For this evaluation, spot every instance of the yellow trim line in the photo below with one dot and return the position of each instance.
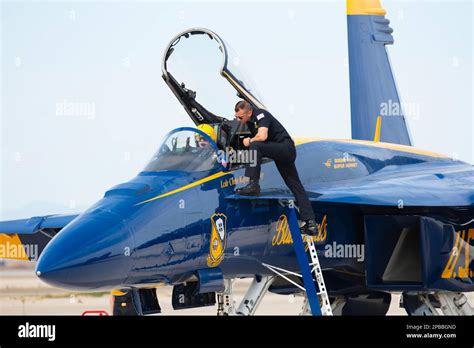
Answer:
(364, 7)
(378, 127)
(300, 141)
(193, 184)
(395, 147)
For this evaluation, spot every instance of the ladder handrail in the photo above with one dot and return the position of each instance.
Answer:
(306, 271)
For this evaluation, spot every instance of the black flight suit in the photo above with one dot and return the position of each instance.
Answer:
(279, 147)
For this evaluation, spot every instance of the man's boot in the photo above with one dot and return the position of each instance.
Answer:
(309, 227)
(252, 189)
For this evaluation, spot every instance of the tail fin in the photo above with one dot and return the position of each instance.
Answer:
(373, 88)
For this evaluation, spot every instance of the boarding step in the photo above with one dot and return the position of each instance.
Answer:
(310, 268)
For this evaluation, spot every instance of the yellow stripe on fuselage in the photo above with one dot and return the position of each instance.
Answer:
(395, 147)
(364, 7)
(300, 141)
(182, 188)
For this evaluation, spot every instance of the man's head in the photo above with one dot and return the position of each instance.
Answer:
(201, 141)
(243, 111)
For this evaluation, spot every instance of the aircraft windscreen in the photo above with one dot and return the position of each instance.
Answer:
(184, 150)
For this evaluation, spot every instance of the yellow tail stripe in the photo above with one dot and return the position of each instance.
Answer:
(365, 7)
(378, 127)
(182, 188)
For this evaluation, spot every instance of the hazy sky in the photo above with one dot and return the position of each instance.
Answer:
(104, 58)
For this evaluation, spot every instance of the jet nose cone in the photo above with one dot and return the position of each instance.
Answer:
(91, 253)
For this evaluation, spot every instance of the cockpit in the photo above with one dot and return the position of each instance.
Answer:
(185, 149)
(206, 77)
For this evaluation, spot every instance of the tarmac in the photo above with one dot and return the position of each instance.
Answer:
(22, 293)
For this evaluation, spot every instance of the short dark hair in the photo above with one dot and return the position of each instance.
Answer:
(243, 105)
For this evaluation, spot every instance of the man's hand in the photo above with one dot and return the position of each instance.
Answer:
(247, 142)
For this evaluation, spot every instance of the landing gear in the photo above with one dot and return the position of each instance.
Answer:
(436, 303)
(254, 295)
(225, 300)
(455, 304)
(251, 300)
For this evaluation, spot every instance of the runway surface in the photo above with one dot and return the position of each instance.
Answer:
(21, 292)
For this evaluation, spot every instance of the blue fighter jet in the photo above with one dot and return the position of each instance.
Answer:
(391, 218)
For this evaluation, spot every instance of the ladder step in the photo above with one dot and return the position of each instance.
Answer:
(310, 270)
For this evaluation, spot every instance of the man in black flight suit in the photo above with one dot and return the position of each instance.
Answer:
(270, 139)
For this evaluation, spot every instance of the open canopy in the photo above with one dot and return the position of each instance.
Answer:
(228, 67)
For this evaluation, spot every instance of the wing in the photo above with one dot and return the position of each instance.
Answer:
(25, 239)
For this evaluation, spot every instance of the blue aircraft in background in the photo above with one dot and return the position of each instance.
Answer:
(391, 217)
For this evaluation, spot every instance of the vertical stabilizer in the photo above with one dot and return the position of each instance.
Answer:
(372, 85)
